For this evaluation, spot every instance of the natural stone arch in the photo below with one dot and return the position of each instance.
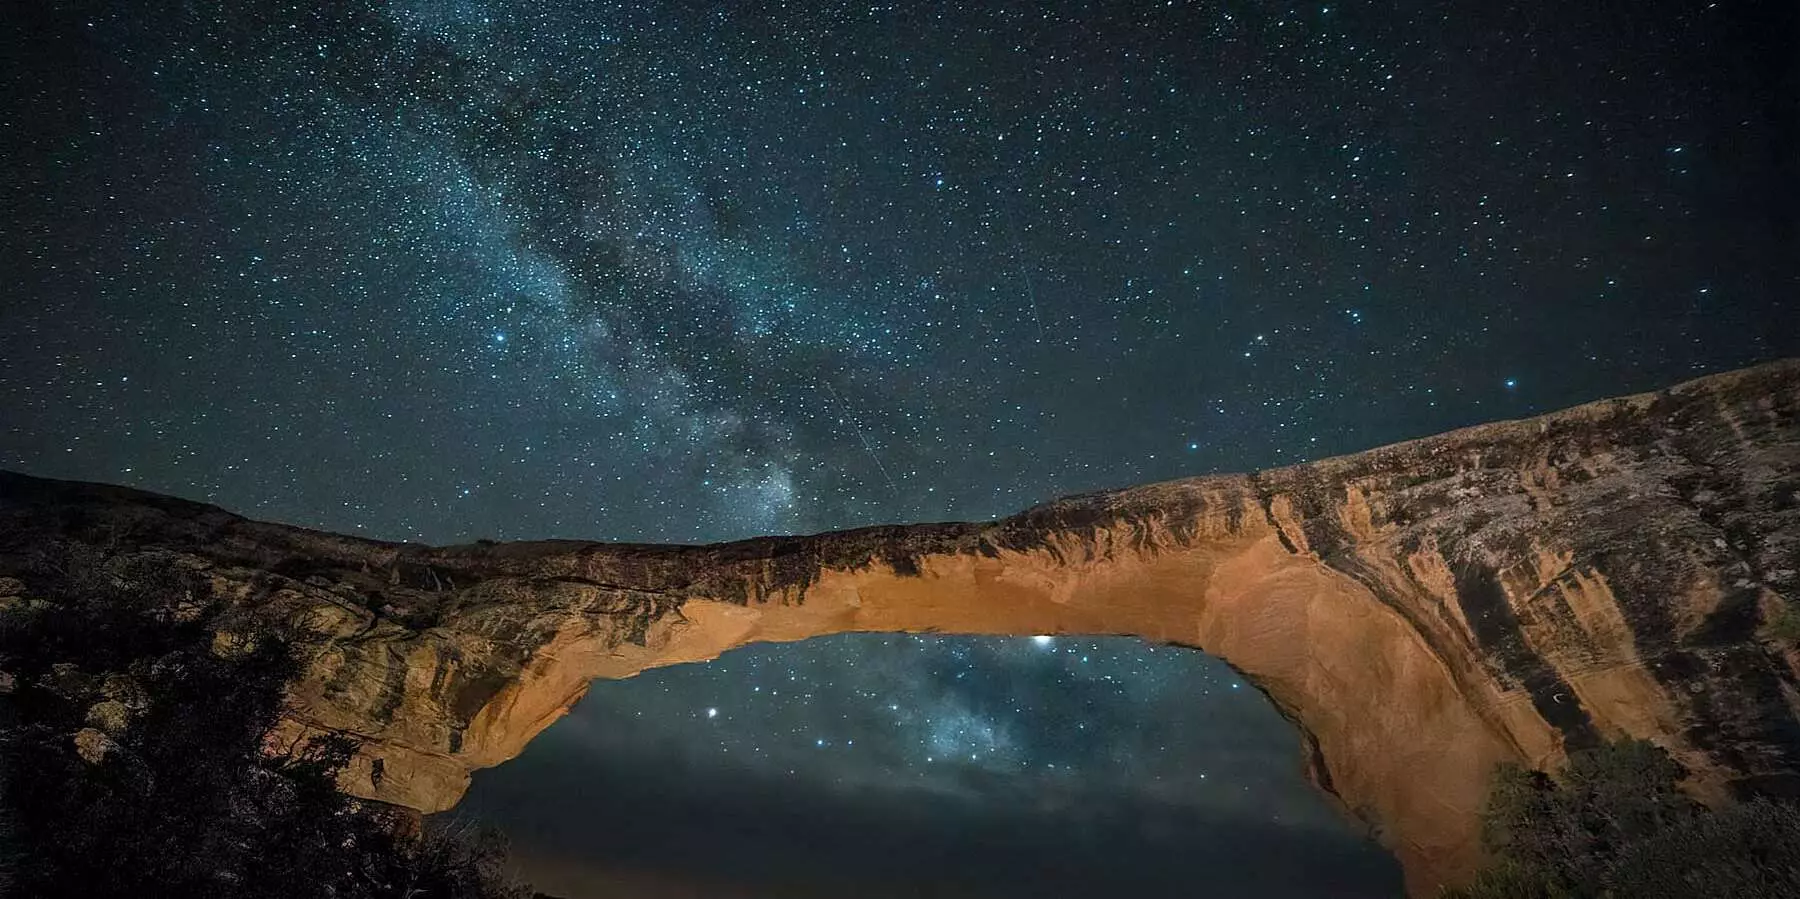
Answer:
(1422, 610)
(1389, 730)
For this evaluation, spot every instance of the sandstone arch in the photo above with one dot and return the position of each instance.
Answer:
(1423, 610)
(1402, 719)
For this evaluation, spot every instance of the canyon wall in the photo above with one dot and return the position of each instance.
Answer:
(1422, 611)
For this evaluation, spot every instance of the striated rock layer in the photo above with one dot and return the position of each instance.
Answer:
(1423, 611)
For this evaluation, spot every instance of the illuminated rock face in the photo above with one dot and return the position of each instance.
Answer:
(1422, 611)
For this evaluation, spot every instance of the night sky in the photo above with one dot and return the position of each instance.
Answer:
(442, 270)
(884, 766)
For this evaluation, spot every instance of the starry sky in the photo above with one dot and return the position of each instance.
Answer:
(945, 766)
(442, 270)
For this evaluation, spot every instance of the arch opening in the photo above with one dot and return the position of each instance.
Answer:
(928, 765)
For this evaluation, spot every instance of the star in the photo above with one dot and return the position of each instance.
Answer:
(447, 272)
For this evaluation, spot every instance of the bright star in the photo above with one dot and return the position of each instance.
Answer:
(712, 713)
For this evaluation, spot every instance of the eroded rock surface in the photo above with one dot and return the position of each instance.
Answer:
(1423, 611)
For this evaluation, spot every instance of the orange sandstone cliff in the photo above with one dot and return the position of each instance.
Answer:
(1422, 611)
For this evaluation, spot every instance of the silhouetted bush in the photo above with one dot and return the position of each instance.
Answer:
(132, 759)
(1617, 826)
(1748, 851)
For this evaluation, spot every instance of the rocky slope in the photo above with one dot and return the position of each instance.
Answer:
(1423, 611)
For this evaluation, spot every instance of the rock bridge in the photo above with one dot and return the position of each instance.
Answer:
(1422, 611)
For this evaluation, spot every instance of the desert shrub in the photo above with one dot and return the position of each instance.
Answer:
(1616, 825)
(1508, 879)
(1747, 851)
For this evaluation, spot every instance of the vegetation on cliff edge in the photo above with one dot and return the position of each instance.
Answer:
(1615, 825)
(133, 759)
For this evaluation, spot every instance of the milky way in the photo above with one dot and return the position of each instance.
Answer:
(690, 272)
(444, 270)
